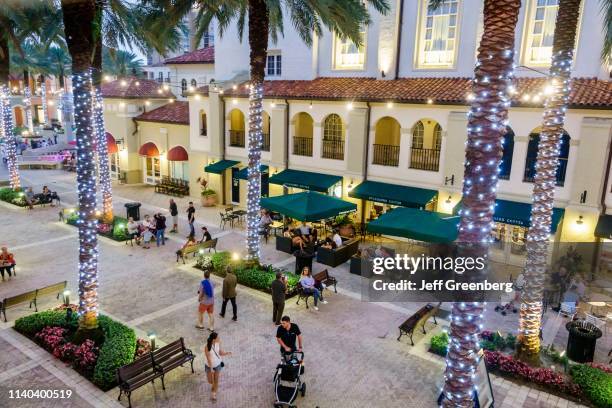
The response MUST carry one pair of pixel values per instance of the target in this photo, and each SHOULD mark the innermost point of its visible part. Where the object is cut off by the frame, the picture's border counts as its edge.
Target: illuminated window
(438, 35)
(540, 29)
(183, 85)
(437, 137)
(347, 55)
(194, 83)
(418, 133)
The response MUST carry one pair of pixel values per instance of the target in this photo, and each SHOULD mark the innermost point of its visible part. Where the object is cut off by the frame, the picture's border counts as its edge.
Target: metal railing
(333, 149)
(266, 142)
(236, 138)
(386, 155)
(424, 159)
(302, 146)
(530, 171)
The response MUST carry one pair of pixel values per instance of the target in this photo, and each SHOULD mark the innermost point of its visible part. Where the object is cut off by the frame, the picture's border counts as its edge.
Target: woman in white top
(213, 363)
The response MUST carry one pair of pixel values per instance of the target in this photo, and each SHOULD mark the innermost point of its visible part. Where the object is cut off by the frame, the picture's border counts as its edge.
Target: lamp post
(152, 335)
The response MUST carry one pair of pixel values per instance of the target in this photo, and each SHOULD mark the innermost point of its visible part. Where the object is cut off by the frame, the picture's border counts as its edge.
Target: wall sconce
(580, 220)
(310, 106)
(152, 336)
(448, 200)
(350, 186)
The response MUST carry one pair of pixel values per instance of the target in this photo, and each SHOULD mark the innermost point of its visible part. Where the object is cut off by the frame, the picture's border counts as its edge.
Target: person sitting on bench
(29, 197)
(133, 230)
(49, 196)
(7, 262)
(329, 244)
(190, 242)
(205, 235)
(309, 285)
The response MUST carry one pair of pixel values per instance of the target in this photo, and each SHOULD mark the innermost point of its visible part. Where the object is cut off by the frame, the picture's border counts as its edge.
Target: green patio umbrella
(308, 205)
(427, 226)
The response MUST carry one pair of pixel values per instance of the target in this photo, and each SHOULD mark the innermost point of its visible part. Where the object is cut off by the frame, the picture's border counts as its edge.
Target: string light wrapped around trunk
(9, 136)
(255, 144)
(102, 150)
(43, 92)
(67, 115)
(27, 103)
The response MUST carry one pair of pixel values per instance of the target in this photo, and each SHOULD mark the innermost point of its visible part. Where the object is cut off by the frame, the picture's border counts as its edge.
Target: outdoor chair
(568, 309)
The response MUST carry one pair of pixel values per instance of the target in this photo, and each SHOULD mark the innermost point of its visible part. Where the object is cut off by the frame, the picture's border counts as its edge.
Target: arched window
(194, 83)
(237, 128)
(387, 134)
(426, 145)
(418, 133)
(333, 138)
(532, 155)
(508, 149)
(203, 126)
(265, 131)
(183, 85)
(302, 134)
(437, 137)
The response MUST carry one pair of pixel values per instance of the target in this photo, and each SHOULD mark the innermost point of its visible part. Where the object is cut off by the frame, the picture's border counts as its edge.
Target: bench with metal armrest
(196, 248)
(32, 297)
(418, 319)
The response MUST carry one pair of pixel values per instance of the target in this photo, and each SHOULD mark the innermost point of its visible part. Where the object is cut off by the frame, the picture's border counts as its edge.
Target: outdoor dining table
(240, 214)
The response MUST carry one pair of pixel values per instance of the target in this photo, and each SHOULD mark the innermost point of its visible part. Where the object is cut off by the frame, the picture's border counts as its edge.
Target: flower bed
(117, 231)
(97, 362)
(11, 196)
(258, 277)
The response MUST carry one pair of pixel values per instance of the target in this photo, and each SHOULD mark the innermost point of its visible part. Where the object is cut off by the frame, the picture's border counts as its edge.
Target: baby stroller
(287, 381)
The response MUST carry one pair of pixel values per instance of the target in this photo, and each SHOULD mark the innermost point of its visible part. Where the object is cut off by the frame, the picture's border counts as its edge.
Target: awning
(427, 226)
(178, 153)
(149, 150)
(220, 166)
(517, 213)
(603, 229)
(393, 194)
(244, 173)
(305, 180)
(308, 205)
(111, 144)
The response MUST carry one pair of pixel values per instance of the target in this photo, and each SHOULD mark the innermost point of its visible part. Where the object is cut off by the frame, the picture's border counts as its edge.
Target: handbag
(222, 364)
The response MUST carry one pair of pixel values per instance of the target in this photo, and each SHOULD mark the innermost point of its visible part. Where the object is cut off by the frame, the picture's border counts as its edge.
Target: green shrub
(120, 228)
(595, 383)
(32, 324)
(9, 195)
(510, 341)
(118, 350)
(72, 218)
(439, 344)
(220, 260)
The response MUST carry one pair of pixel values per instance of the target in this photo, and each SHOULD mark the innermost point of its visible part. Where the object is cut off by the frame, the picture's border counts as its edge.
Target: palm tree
(79, 30)
(58, 62)
(265, 18)
(120, 63)
(545, 179)
(486, 124)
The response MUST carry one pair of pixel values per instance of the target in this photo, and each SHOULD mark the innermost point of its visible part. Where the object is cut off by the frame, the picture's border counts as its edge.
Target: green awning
(603, 229)
(393, 194)
(305, 180)
(220, 166)
(427, 226)
(244, 173)
(308, 205)
(516, 213)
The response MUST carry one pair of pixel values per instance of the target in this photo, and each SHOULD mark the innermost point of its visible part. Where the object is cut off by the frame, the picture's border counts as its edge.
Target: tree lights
(254, 174)
(9, 136)
(27, 102)
(43, 95)
(102, 150)
(487, 121)
(557, 97)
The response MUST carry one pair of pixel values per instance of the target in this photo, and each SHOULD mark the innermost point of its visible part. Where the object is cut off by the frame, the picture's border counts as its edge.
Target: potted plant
(345, 226)
(209, 197)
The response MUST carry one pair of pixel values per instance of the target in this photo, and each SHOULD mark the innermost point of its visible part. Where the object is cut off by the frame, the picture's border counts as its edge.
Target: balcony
(386, 155)
(530, 171)
(266, 142)
(302, 146)
(236, 138)
(424, 159)
(333, 149)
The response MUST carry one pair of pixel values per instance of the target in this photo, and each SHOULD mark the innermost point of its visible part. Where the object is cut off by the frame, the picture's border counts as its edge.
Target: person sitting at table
(205, 235)
(133, 231)
(304, 229)
(297, 241)
(329, 244)
(7, 262)
(264, 224)
(287, 233)
(337, 238)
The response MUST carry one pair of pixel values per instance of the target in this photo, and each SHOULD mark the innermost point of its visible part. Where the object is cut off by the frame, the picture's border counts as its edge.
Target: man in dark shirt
(279, 287)
(174, 214)
(160, 228)
(286, 334)
(191, 218)
(205, 235)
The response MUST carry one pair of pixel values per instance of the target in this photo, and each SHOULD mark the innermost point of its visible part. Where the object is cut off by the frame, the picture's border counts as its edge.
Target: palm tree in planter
(486, 125)
(265, 19)
(545, 179)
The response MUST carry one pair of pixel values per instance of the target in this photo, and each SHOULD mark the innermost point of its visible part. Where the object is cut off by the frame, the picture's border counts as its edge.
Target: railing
(236, 138)
(302, 146)
(530, 171)
(424, 159)
(333, 149)
(386, 155)
(266, 142)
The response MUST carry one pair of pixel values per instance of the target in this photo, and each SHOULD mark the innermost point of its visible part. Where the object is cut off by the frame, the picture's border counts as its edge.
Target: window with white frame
(540, 29)
(438, 32)
(274, 64)
(347, 55)
(183, 85)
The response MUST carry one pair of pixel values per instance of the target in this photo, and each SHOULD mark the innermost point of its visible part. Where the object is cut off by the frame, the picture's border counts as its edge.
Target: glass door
(152, 173)
(115, 170)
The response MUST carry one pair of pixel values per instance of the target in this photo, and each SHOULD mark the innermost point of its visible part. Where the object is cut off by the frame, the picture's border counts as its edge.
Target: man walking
(279, 287)
(160, 228)
(206, 301)
(229, 292)
(174, 214)
(286, 336)
(191, 218)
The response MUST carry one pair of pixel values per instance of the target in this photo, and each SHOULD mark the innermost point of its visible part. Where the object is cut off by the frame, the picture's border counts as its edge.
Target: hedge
(595, 384)
(439, 344)
(118, 349)
(11, 196)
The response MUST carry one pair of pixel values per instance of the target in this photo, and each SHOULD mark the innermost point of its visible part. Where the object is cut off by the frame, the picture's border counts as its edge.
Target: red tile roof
(135, 88)
(176, 112)
(201, 56)
(586, 92)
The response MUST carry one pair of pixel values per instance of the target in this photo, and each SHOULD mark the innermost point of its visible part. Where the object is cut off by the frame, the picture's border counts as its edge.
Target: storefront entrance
(115, 169)
(152, 170)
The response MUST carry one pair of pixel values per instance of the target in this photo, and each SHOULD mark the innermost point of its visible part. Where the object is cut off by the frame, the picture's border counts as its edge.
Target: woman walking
(213, 363)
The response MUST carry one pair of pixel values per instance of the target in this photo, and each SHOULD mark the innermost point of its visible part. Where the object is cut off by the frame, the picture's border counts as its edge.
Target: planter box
(209, 200)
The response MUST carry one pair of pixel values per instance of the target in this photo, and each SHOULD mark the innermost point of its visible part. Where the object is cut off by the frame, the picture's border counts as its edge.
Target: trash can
(133, 210)
(302, 259)
(581, 340)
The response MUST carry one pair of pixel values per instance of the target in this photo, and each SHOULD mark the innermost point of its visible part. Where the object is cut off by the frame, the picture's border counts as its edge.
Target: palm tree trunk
(258, 42)
(7, 115)
(27, 100)
(486, 124)
(67, 110)
(43, 96)
(99, 131)
(78, 26)
(545, 180)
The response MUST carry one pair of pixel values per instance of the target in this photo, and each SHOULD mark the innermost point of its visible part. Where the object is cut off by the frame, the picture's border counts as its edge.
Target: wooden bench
(326, 279)
(418, 319)
(302, 295)
(171, 356)
(195, 249)
(32, 297)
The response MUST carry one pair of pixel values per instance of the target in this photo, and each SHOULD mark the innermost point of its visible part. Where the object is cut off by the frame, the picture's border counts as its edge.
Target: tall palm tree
(545, 179)
(121, 63)
(79, 27)
(58, 62)
(265, 19)
(486, 124)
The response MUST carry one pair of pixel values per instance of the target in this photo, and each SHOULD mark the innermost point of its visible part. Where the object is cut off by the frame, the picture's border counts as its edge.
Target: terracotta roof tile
(135, 88)
(176, 112)
(586, 92)
(201, 56)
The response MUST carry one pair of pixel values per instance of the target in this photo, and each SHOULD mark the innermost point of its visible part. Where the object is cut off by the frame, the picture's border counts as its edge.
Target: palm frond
(606, 11)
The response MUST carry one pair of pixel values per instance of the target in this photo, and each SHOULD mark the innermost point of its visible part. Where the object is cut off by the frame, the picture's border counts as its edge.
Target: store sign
(297, 185)
(385, 201)
(512, 221)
